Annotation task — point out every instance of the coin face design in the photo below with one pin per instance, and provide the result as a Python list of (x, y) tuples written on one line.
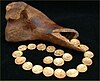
[(59, 73), (37, 69), (72, 73), (22, 47), (89, 54), (50, 49), (75, 42), (84, 47), (27, 66), (41, 47), (59, 52), (17, 53), (48, 60), (58, 61), (20, 60), (31, 46), (48, 71), (67, 57), (81, 68), (87, 61)]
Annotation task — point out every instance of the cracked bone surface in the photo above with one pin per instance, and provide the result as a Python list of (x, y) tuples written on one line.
[(25, 22)]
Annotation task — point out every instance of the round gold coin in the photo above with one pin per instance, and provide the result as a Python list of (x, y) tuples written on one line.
[(81, 68), (48, 71), (67, 57), (75, 42), (48, 60), (27, 66), (58, 61), (20, 60), (89, 54), (17, 53), (59, 52), (59, 73), (72, 73), (87, 61), (41, 47), (84, 47), (31, 46), (22, 47), (37, 69), (50, 49)]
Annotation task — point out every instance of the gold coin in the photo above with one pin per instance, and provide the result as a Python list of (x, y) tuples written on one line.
[(37, 69), (58, 61), (67, 57), (31, 46), (27, 66), (48, 71), (75, 42), (87, 61), (84, 47), (50, 49), (89, 54), (22, 47), (41, 47), (72, 73), (48, 60), (59, 52), (20, 60), (59, 73), (17, 53), (82, 68)]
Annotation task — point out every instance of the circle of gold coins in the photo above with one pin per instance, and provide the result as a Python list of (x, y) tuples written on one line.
[(48, 71)]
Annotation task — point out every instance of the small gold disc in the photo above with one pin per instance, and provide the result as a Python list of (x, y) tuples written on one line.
[(48, 71), (37, 69), (17, 53), (31, 46), (27, 66), (48, 60), (22, 47), (50, 49), (58, 61), (59, 52), (87, 61), (72, 73), (67, 57), (20, 60), (41, 47), (59, 73), (82, 68), (89, 54)]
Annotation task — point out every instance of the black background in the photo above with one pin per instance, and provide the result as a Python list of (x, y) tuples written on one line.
[(82, 16)]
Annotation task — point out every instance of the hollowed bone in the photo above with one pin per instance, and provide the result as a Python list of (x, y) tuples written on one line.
[(25, 22)]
